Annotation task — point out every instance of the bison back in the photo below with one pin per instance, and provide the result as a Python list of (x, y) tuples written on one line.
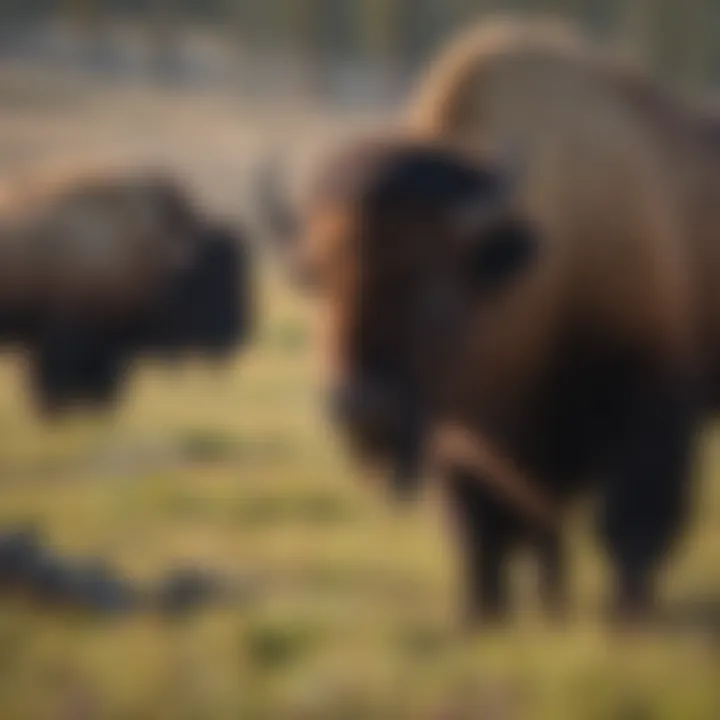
[(95, 245)]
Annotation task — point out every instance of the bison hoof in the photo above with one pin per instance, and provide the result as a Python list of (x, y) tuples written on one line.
[(629, 614), (475, 619)]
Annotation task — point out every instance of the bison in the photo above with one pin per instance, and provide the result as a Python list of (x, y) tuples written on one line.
[(99, 266), (519, 284)]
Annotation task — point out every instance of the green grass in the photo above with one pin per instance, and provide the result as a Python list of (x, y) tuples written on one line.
[(349, 609)]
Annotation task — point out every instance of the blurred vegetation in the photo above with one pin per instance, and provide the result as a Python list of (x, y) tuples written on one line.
[(391, 36)]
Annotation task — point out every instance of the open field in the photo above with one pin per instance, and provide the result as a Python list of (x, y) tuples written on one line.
[(347, 608)]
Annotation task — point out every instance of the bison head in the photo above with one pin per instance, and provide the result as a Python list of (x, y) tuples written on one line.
[(405, 245), (206, 306), (213, 296), (204, 296)]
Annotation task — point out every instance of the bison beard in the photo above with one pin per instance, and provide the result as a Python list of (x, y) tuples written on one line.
[(391, 434)]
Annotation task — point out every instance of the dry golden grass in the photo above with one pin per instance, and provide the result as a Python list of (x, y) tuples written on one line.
[(349, 604)]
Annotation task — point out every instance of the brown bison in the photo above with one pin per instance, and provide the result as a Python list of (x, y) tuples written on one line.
[(531, 260), (96, 267)]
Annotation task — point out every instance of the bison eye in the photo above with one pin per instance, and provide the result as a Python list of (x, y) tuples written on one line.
[(499, 255)]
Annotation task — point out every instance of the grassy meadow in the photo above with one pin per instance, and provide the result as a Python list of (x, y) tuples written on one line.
[(345, 605)]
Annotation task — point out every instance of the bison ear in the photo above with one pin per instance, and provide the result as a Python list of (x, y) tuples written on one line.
[(500, 253)]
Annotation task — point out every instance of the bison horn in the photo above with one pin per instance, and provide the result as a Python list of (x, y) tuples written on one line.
[(284, 227), (276, 212)]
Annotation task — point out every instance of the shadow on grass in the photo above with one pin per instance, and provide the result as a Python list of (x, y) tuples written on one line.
[(193, 448), (256, 511), (693, 615), (275, 645), (205, 446)]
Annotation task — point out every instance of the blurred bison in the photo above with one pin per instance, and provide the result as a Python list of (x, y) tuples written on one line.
[(560, 309), (98, 267)]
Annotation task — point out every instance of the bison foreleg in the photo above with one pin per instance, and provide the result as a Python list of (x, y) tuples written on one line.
[(485, 532), (72, 364), (54, 359)]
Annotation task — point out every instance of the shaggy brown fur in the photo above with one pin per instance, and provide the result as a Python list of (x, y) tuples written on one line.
[(90, 241), (591, 135)]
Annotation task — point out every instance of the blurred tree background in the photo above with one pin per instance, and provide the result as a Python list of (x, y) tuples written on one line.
[(320, 45)]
